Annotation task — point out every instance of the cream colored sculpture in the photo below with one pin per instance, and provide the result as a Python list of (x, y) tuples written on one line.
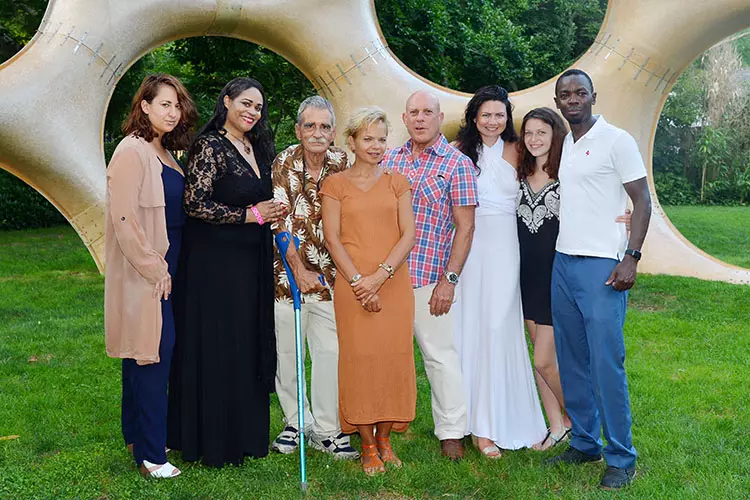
[(56, 90)]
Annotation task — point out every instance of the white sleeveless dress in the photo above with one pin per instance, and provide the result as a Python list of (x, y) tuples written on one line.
[(501, 395)]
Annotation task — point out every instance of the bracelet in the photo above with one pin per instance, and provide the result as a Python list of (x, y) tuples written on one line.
[(387, 268), (258, 217), (354, 279)]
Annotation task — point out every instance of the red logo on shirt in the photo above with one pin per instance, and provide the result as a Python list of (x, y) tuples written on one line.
[(588, 152)]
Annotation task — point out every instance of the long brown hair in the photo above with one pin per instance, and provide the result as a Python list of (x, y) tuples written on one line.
[(137, 122), (468, 139), (527, 161)]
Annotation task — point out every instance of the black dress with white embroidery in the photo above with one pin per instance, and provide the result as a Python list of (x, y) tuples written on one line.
[(538, 216), (225, 354)]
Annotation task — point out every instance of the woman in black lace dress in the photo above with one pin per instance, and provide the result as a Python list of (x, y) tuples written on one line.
[(225, 352)]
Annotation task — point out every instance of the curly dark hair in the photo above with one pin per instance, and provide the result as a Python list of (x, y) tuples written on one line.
[(259, 136), (138, 124), (527, 161), (468, 139)]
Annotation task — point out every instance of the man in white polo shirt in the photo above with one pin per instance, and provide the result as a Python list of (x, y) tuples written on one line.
[(594, 267)]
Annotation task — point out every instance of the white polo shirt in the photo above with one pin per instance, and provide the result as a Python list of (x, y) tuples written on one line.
[(592, 173)]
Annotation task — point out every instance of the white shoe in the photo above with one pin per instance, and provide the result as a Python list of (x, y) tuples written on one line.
[(339, 446), (157, 471), (287, 441)]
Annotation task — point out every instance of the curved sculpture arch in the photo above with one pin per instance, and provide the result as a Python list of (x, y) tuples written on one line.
[(63, 80)]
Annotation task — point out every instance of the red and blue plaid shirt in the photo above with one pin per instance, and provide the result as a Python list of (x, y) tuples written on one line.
[(441, 177)]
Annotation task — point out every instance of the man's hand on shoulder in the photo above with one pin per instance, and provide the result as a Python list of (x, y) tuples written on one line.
[(623, 275)]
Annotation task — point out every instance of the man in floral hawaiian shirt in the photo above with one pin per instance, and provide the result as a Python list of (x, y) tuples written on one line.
[(297, 175)]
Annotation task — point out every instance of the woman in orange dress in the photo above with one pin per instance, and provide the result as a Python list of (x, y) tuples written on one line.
[(368, 226)]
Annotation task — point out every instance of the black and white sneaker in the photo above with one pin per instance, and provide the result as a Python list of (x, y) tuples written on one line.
[(339, 446), (287, 441)]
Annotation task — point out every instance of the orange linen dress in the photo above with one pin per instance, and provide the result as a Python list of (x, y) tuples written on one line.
[(377, 379)]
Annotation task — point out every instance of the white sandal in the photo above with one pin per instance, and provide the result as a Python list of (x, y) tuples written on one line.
[(491, 451), (157, 471)]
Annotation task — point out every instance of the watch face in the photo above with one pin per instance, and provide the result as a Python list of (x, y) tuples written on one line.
[(451, 277)]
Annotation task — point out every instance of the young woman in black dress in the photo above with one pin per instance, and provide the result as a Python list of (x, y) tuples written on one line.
[(538, 211), (225, 353)]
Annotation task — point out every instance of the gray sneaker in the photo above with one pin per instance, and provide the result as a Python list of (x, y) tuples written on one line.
[(339, 446), (615, 478), (287, 441)]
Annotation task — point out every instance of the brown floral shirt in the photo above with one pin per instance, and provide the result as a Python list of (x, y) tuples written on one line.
[(304, 220)]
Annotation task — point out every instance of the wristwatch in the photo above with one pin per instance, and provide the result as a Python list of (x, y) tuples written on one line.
[(636, 254), (451, 277)]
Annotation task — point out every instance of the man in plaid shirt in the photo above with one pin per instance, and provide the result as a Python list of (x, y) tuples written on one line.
[(444, 194)]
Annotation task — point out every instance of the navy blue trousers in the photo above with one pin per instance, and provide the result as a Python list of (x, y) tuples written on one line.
[(588, 318), (144, 397)]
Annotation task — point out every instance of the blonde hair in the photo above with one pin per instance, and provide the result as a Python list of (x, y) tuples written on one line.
[(363, 118)]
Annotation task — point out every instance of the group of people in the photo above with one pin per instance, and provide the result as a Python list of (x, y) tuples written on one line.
[(455, 244)]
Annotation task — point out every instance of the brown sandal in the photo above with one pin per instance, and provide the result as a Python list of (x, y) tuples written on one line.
[(386, 452), (371, 463)]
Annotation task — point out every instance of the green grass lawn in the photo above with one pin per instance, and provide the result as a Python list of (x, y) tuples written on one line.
[(723, 232), (689, 371)]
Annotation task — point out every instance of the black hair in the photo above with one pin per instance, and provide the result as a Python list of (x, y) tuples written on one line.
[(575, 72), (259, 136), (468, 139)]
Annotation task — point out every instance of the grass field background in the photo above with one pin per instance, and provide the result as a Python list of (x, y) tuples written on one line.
[(688, 364), (723, 232)]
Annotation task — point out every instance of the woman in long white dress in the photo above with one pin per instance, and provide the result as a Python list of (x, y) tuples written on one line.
[(503, 410)]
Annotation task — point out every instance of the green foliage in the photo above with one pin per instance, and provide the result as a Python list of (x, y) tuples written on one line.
[(467, 44), (674, 189), (712, 158), (687, 343), (18, 23), (21, 206)]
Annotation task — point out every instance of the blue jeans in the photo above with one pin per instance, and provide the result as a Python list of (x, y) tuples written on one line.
[(588, 319)]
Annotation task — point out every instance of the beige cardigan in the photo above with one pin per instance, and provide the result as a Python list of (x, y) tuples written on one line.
[(136, 243)]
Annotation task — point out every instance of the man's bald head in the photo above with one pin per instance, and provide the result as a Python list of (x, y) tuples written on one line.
[(423, 97), (423, 118)]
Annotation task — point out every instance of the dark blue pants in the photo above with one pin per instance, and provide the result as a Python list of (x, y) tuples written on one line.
[(588, 318), (144, 398)]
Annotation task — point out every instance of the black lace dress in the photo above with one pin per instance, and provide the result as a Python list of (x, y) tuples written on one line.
[(225, 352), (538, 216)]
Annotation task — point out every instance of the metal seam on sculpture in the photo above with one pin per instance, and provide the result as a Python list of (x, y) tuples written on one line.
[(96, 53), (357, 65), (369, 55), (344, 74), (333, 80), (67, 36), (661, 80), (322, 80), (604, 43), (55, 33), (80, 42), (627, 58), (642, 67), (114, 74), (613, 49)]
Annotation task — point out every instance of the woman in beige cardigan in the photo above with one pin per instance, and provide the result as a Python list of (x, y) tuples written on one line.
[(143, 231)]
